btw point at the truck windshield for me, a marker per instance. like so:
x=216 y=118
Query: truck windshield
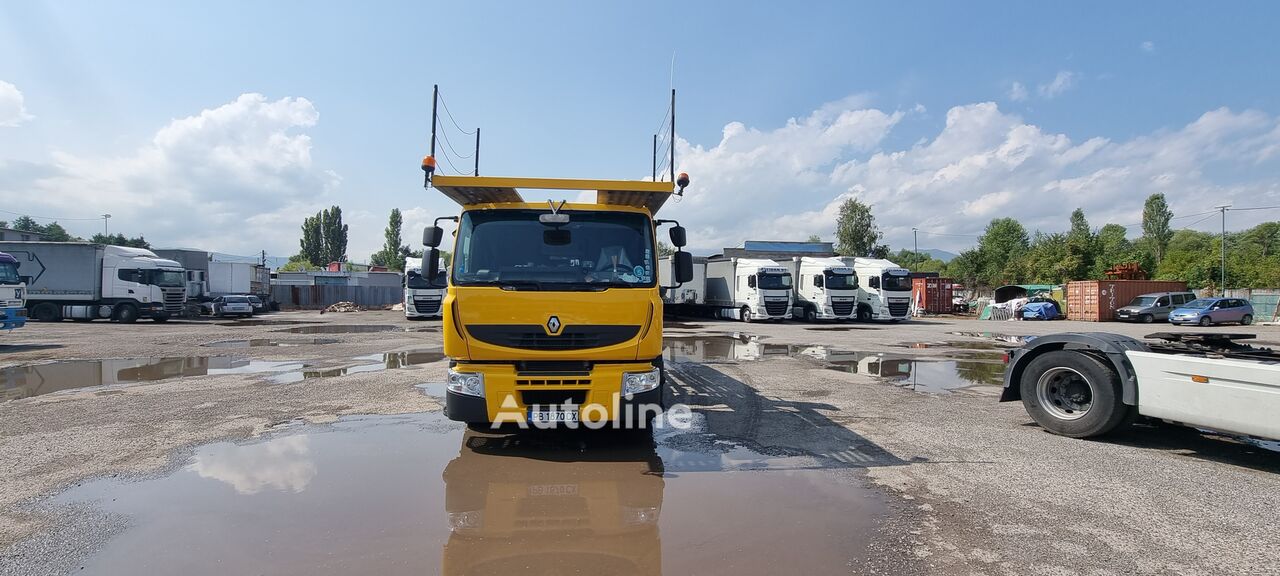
x=840 y=281
x=775 y=281
x=171 y=278
x=890 y=283
x=9 y=273
x=414 y=280
x=594 y=251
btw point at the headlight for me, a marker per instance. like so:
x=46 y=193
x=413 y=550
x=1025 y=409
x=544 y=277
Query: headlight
x=469 y=383
x=637 y=382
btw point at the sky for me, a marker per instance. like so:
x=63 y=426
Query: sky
x=222 y=125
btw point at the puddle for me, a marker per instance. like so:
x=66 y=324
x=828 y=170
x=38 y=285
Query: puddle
x=417 y=494
x=687 y=325
x=932 y=375
x=367 y=363
x=432 y=389
x=1009 y=338
x=267 y=322
x=341 y=329
x=839 y=328
x=958 y=344
x=257 y=342
x=37 y=379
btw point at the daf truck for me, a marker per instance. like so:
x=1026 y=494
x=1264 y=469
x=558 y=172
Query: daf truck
x=884 y=289
x=753 y=288
x=822 y=288
x=13 y=301
x=86 y=281
x=553 y=315
x=422 y=297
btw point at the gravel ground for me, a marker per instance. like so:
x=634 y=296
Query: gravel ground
x=974 y=486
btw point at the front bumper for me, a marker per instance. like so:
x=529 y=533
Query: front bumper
x=505 y=399
x=13 y=317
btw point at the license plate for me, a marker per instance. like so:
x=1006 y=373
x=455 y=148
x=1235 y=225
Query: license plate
x=553 y=417
x=553 y=490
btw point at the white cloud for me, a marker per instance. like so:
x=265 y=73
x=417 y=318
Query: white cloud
x=788 y=183
x=13 y=111
x=1017 y=92
x=282 y=464
x=1062 y=82
x=235 y=178
x=1148 y=46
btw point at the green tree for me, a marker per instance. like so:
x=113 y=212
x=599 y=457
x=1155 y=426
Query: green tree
x=921 y=262
x=26 y=224
x=1046 y=258
x=1001 y=249
x=664 y=249
x=1155 y=224
x=1080 y=247
x=324 y=237
x=856 y=231
x=298 y=263
x=312 y=242
x=54 y=232
x=1114 y=248
x=119 y=239
x=966 y=267
x=390 y=255
x=814 y=238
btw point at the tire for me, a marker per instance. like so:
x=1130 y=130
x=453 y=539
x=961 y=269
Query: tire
x=1206 y=321
x=125 y=314
x=746 y=314
x=160 y=318
x=1073 y=394
x=864 y=314
x=1246 y=320
x=1146 y=318
x=46 y=312
x=810 y=314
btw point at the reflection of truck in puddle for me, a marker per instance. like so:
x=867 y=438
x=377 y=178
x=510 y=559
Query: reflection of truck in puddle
x=710 y=349
x=516 y=506
x=18 y=382
x=869 y=363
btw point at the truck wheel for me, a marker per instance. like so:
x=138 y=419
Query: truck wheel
x=160 y=318
x=1247 y=320
x=746 y=314
x=1146 y=318
x=810 y=314
x=1206 y=321
x=125 y=314
x=1073 y=394
x=864 y=314
x=46 y=312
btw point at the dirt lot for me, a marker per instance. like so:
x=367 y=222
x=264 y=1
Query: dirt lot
x=313 y=444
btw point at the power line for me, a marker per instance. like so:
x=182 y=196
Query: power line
x=445 y=154
x=48 y=217
x=461 y=157
x=1254 y=208
x=455 y=122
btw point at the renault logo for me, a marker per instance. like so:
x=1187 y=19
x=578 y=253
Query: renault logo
x=553 y=325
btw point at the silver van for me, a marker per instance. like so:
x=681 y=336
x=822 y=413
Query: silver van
x=1153 y=307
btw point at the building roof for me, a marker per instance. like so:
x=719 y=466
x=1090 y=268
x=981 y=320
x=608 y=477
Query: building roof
x=783 y=246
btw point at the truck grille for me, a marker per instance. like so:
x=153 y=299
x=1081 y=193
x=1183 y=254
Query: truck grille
x=553 y=397
x=535 y=337
x=776 y=308
x=842 y=308
x=173 y=299
x=899 y=307
x=430 y=307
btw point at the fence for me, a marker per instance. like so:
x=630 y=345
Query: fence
x=323 y=296
x=1265 y=301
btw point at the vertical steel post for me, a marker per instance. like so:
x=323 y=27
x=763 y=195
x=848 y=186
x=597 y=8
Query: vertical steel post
x=477 y=151
x=654 y=158
x=435 y=99
x=673 y=136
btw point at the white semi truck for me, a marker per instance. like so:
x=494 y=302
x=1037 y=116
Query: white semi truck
x=884 y=289
x=752 y=288
x=823 y=288
x=86 y=281
x=422 y=298
x=13 y=294
x=1088 y=384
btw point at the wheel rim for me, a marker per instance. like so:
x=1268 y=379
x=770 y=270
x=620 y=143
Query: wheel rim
x=1205 y=321
x=746 y=315
x=1247 y=320
x=1064 y=393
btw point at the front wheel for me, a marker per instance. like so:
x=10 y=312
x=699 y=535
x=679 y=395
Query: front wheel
x=1146 y=318
x=746 y=314
x=864 y=314
x=810 y=314
x=1073 y=394
x=46 y=312
x=126 y=314
x=1247 y=320
x=1206 y=321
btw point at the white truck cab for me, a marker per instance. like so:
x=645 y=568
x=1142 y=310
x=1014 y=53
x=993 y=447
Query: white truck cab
x=824 y=288
x=422 y=298
x=884 y=289
x=756 y=288
x=157 y=284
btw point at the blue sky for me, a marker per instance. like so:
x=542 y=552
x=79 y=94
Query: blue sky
x=915 y=109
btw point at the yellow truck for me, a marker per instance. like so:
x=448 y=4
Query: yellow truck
x=553 y=315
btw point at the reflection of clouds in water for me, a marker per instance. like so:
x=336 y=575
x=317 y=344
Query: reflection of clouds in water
x=281 y=464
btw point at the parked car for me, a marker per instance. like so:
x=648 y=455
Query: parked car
x=1210 y=311
x=259 y=306
x=1149 y=308
x=231 y=306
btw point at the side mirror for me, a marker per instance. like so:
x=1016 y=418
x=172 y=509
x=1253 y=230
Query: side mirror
x=25 y=279
x=431 y=236
x=677 y=236
x=682 y=267
x=432 y=257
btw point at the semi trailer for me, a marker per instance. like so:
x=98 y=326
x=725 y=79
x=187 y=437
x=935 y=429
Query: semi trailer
x=13 y=290
x=422 y=297
x=552 y=315
x=884 y=289
x=1089 y=384
x=86 y=281
x=822 y=288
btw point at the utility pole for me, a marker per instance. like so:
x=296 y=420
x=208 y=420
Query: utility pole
x=1223 y=209
x=435 y=99
x=915 y=241
x=264 y=258
x=655 y=157
x=105 y=217
x=477 y=151
x=673 y=136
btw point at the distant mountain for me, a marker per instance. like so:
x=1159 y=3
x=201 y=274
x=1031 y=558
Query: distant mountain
x=942 y=255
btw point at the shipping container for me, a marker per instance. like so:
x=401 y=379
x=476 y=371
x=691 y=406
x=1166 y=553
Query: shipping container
x=1097 y=300
x=933 y=295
